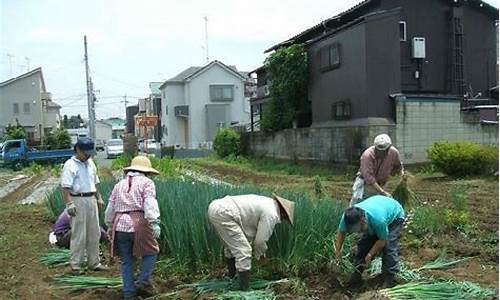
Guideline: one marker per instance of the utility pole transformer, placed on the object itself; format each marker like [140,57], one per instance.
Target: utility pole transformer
[90,94]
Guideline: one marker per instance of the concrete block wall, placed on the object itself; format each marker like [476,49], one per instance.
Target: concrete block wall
[422,122]
[328,144]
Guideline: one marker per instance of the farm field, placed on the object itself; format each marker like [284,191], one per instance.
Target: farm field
[458,218]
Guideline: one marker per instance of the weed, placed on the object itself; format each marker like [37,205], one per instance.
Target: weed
[427,220]
[318,186]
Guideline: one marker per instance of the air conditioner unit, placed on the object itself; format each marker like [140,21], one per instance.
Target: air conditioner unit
[418,47]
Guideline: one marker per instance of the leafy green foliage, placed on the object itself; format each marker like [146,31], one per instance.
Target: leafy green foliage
[227,142]
[58,139]
[15,132]
[79,283]
[427,220]
[168,168]
[289,74]
[56,257]
[121,162]
[318,186]
[464,158]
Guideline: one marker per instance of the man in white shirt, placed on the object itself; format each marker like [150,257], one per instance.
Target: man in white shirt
[245,223]
[78,183]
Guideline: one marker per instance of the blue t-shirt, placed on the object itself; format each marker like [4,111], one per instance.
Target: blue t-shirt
[380,212]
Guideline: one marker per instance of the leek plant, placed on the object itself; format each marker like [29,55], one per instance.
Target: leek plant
[189,238]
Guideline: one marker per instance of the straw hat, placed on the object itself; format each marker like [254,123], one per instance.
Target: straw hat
[142,164]
[287,205]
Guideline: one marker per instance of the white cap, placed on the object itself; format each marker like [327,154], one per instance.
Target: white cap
[382,142]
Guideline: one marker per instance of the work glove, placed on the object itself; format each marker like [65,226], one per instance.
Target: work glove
[100,203]
[155,227]
[71,208]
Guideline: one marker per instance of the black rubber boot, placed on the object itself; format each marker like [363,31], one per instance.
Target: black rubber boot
[390,280]
[244,280]
[231,267]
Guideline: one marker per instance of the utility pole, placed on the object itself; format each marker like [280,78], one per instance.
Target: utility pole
[206,37]
[27,63]
[90,94]
[125,102]
[10,56]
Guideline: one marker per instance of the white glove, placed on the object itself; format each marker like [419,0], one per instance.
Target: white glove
[71,208]
[155,227]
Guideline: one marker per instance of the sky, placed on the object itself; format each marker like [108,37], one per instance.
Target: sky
[132,43]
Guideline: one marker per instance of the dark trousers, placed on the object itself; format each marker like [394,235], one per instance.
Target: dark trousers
[125,242]
[390,257]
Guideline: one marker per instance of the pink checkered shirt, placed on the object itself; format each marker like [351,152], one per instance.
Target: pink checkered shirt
[139,196]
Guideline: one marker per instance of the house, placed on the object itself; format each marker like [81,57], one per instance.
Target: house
[201,100]
[118,126]
[150,106]
[360,57]
[382,65]
[25,99]
[131,112]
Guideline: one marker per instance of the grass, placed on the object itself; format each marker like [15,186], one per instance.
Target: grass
[272,166]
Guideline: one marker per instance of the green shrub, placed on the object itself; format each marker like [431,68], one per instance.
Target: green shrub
[227,142]
[464,158]
[121,162]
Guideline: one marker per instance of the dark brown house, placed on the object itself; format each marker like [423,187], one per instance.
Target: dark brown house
[362,58]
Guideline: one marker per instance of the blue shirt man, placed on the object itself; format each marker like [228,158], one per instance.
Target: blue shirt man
[379,219]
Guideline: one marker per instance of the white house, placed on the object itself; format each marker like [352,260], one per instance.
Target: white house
[199,101]
[25,100]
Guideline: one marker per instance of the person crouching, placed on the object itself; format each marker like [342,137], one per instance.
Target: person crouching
[244,224]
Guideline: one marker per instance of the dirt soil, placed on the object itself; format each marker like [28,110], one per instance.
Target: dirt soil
[24,237]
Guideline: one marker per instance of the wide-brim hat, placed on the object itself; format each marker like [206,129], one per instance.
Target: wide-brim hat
[141,163]
[287,205]
[382,142]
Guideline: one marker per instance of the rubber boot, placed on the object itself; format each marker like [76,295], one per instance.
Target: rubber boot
[389,280]
[244,280]
[231,267]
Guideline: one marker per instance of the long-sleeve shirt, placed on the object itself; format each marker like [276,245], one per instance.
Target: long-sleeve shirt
[135,192]
[379,170]
[259,215]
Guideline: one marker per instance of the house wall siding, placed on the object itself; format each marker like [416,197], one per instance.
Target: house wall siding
[348,82]
[23,90]
[199,96]
[174,133]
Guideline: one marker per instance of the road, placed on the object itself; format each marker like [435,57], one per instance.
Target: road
[102,160]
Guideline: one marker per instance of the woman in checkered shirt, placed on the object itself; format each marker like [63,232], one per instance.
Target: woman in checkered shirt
[133,218]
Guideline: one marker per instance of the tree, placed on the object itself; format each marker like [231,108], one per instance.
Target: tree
[288,70]
[14,132]
[65,121]
[58,139]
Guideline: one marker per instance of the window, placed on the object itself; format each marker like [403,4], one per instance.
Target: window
[221,92]
[26,108]
[16,108]
[330,57]
[402,31]
[341,110]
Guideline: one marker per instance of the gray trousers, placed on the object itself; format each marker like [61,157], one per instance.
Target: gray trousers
[85,233]
[390,257]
